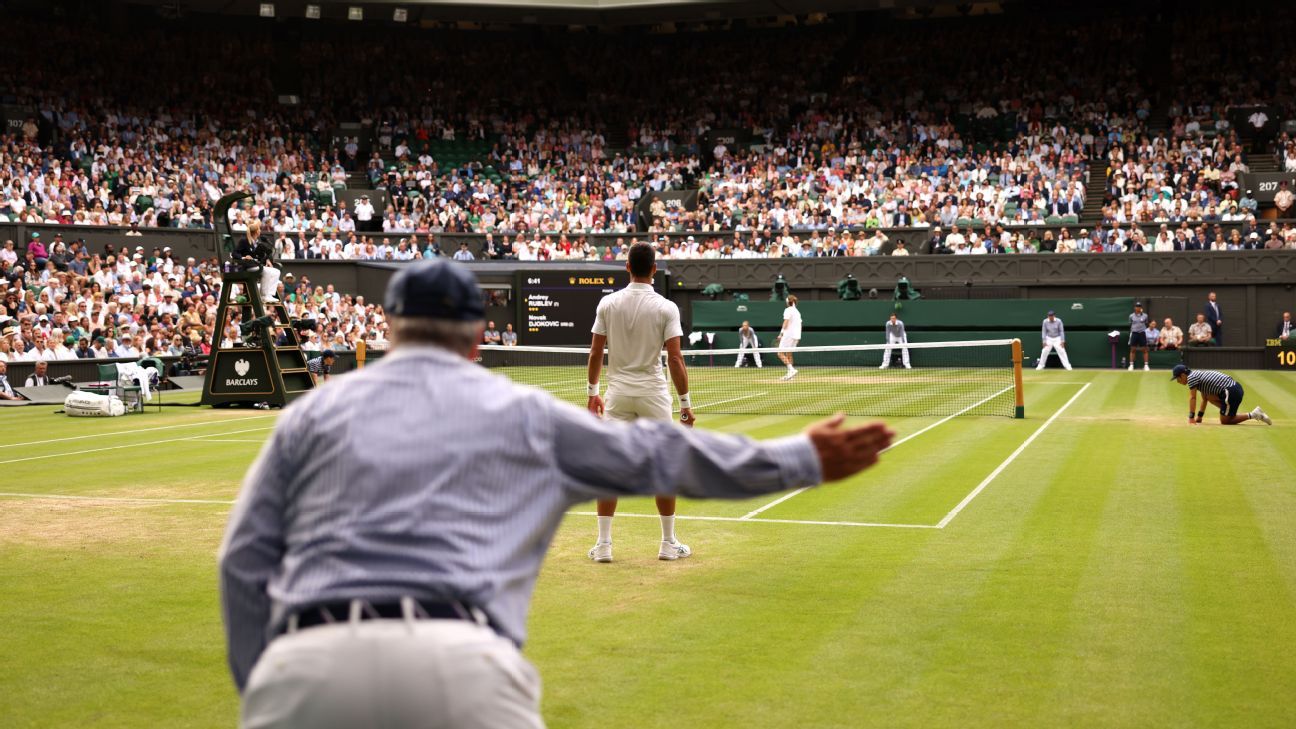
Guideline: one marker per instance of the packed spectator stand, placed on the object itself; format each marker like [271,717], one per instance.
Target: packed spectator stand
[822,140]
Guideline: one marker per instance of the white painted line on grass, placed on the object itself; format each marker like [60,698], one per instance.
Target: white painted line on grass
[732,399]
[995,473]
[911,436]
[128,445]
[745,520]
[205,439]
[131,499]
[138,430]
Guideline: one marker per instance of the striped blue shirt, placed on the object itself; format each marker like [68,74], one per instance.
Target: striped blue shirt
[1210,382]
[1138,322]
[429,476]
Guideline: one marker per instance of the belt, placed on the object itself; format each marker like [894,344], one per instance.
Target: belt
[360,610]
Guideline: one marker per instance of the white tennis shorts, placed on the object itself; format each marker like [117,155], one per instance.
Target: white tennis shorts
[633,407]
[787,345]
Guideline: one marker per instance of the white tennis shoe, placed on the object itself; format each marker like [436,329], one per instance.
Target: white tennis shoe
[671,551]
[791,374]
[601,552]
[1260,415]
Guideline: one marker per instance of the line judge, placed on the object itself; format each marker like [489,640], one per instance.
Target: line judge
[1053,337]
[364,586]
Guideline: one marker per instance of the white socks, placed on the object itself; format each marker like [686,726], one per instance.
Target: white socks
[605,529]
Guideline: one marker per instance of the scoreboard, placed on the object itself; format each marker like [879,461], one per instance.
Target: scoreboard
[1280,355]
[557,307]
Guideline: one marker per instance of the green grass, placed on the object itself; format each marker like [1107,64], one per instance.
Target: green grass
[1125,570]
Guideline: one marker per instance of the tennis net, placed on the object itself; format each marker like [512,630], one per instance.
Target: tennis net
[944,378]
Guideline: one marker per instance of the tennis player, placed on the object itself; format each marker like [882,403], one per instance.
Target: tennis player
[1218,389]
[789,335]
[635,324]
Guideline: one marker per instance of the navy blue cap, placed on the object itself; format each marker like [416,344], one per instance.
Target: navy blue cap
[1051,312]
[328,353]
[1179,369]
[435,289]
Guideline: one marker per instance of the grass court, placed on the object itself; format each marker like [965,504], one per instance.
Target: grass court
[1098,563]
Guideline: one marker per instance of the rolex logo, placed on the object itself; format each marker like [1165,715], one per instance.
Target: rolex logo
[572,280]
[242,366]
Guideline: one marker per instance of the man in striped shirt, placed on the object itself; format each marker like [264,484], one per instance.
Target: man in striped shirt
[321,367]
[391,586]
[1218,389]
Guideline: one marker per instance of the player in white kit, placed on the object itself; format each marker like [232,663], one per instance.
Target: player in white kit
[635,324]
[789,335]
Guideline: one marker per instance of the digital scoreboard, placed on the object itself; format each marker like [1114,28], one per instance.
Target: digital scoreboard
[1280,354]
[557,307]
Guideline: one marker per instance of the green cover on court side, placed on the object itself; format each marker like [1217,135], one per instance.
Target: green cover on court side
[944,314]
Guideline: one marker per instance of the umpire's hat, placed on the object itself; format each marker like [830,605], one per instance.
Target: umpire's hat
[435,289]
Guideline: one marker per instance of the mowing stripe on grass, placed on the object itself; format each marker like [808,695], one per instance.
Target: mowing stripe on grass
[745,520]
[131,499]
[911,436]
[128,445]
[137,430]
[1012,457]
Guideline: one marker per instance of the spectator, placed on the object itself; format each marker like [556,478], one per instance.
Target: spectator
[1199,334]
[509,338]
[491,335]
[1285,327]
[1171,335]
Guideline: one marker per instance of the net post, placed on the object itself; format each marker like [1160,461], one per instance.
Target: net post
[360,355]
[1020,411]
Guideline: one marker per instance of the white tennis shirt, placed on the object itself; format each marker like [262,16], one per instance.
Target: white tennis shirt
[792,316]
[637,321]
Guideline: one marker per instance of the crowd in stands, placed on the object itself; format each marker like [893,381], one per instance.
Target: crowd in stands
[71,302]
[843,133]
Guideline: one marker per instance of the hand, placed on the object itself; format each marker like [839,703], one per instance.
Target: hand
[687,418]
[595,405]
[845,451]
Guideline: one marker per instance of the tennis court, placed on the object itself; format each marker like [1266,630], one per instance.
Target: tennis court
[1099,563]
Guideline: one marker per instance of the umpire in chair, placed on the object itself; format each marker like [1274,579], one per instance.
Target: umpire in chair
[364,588]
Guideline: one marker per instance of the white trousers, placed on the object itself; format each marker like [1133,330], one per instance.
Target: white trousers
[886,353]
[1050,344]
[414,674]
[269,281]
[742,348]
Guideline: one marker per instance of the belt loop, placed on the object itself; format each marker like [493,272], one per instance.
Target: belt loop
[479,616]
[354,610]
[408,609]
[292,624]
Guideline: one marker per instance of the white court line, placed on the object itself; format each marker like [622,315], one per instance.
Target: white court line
[128,445]
[995,473]
[745,520]
[732,399]
[131,499]
[205,439]
[911,436]
[138,430]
